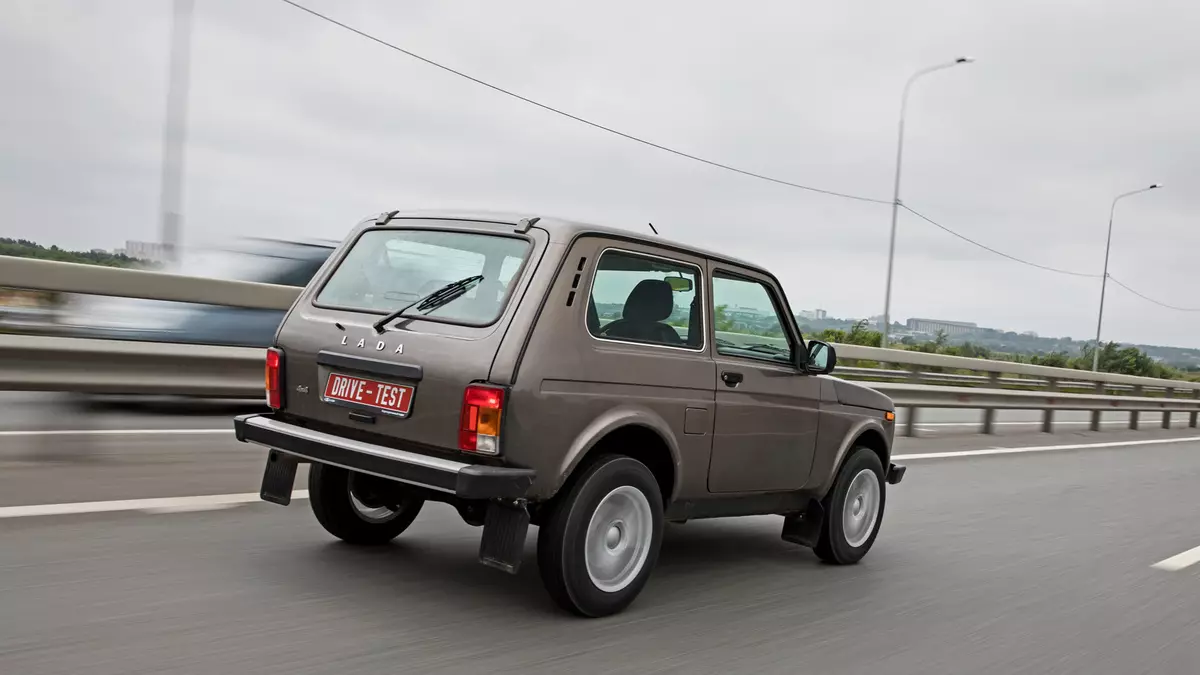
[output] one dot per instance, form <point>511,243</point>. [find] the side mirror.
<point>821,358</point>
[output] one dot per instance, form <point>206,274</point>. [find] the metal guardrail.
<point>64,277</point>
<point>121,367</point>
<point>1048,373</point>
<point>38,363</point>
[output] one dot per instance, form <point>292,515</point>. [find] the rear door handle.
<point>731,379</point>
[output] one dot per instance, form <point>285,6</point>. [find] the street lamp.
<point>1104,279</point>
<point>887,302</point>
<point>175,130</point>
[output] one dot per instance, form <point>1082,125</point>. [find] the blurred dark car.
<point>288,263</point>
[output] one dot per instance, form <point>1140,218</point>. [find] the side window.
<point>644,299</point>
<point>747,321</point>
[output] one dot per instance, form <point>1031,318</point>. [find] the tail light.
<point>479,430</point>
<point>274,382</point>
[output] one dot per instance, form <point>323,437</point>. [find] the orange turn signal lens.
<point>889,416</point>
<point>482,409</point>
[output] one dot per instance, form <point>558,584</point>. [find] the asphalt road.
<point>1021,562</point>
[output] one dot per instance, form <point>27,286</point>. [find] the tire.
<point>861,477</point>
<point>332,493</point>
<point>624,537</point>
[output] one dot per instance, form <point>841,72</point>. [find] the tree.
<point>23,248</point>
<point>1124,360</point>
<point>1054,359</point>
<point>861,335</point>
<point>832,335</point>
<point>721,320</point>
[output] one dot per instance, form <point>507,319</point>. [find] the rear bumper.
<point>895,473</point>
<point>465,481</point>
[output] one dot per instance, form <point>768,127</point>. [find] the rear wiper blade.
<point>431,301</point>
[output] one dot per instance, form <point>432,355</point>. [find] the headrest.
<point>650,300</point>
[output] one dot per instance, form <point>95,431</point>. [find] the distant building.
<point>145,250</point>
<point>750,313</point>
<point>813,314</point>
<point>932,326</point>
<point>1030,333</point>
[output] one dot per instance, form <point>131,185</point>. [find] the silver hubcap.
<point>618,539</point>
<point>861,509</point>
<point>372,514</point>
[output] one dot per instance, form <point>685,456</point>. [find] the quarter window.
<point>648,300</point>
<point>747,322</point>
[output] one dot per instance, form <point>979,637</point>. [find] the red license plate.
<point>393,398</point>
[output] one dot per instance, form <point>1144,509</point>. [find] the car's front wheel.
<point>601,539</point>
<point>354,508</point>
<point>853,509</point>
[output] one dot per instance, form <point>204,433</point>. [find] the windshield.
<point>388,269</point>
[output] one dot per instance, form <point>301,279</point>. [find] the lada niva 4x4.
<point>593,382</point>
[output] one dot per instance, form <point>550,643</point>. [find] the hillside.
<point>1002,344</point>
<point>23,248</point>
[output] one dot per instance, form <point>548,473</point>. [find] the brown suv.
<point>591,381</point>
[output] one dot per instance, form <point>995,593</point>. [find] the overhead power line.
<point>999,253</point>
<point>1150,299</point>
<point>984,246</point>
<point>712,163</point>
<point>595,125</point>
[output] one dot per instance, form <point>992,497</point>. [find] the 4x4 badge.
<point>379,346</point>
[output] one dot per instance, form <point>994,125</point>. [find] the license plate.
<point>395,399</point>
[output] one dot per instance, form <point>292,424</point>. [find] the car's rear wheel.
<point>601,539</point>
<point>853,509</point>
<point>354,508</point>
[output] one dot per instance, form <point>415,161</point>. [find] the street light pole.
<point>175,130</point>
<point>1104,279</point>
<point>887,301</point>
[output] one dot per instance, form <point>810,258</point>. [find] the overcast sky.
<point>299,128</point>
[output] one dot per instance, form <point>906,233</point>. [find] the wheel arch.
<point>632,431</point>
<point>873,439</point>
<point>868,433</point>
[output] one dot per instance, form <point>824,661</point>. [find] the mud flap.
<point>278,478</point>
<point>504,530</point>
<point>804,528</point>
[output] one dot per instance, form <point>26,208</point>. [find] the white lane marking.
<point>213,502</point>
<point>157,505</point>
<point>1178,562</point>
<point>188,508</point>
<point>1043,448</point>
<point>112,432</point>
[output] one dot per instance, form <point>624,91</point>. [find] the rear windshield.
<point>388,269</point>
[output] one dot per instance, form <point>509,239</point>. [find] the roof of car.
<point>564,229</point>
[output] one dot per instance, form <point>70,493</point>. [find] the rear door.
<point>766,423</point>
<point>406,382</point>
<point>622,341</point>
